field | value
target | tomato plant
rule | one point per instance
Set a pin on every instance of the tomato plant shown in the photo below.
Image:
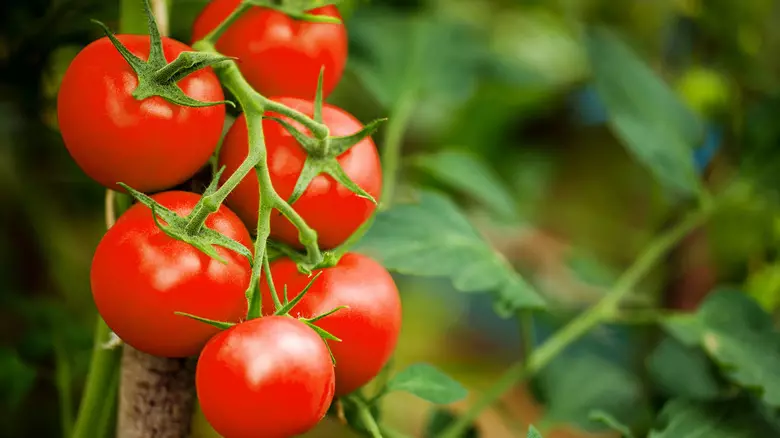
(286, 159)
(270, 377)
(140, 276)
(368, 328)
(150, 144)
(175, 276)
(297, 49)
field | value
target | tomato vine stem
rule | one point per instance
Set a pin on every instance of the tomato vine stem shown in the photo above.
(601, 312)
(94, 410)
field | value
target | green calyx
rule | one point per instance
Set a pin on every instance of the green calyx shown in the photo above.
(322, 153)
(157, 77)
(177, 227)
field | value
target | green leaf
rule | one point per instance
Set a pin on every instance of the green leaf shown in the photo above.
(392, 52)
(16, 379)
(576, 385)
(683, 371)
(740, 337)
(428, 383)
(470, 175)
(433, 238)
(533, 433)
(611, 422)
(688, 419)
(645, 113)
(440, 419)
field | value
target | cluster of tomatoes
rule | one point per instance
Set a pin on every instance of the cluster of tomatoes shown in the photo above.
(271, 376)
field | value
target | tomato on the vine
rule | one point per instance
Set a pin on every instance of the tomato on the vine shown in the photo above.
(327, 206)
(140, 276)
(368, 328)
(277, 54)
(270, 377)
(148, 144)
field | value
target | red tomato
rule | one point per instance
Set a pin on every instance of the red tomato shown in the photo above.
(368, 329)
(140, 277)
(327, 206)
(148, 144)
(279, 55)
(270, 377)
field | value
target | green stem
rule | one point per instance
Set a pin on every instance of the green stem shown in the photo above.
(254, 106)
(393, 140)
(581, 325)
(103, 369)
(319, 130)
(274, 297)
(214, 35)
(400, 116)
(364, 413)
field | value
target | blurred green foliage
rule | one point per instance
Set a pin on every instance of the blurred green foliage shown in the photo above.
(503, 120)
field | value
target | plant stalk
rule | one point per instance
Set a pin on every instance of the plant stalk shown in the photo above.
(599, 313)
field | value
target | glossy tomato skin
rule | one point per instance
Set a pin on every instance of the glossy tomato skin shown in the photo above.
(327, 206)
(148, 144)
(277, 54)
(140, 277)
(368, 329)
(270, 377)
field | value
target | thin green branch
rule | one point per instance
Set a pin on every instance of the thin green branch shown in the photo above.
(102, 371)
(599, 313)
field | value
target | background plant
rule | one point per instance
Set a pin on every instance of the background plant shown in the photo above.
(523, 144)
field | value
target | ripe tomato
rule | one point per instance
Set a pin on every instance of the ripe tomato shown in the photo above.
(140, 277)
(277, 54)
(148, 144)
(327, 206)
(270, 377)
(368, 329)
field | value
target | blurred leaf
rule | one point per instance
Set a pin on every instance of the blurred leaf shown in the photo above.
(391, 52)
(16, 379)
(612, 423)
(575, 387)
(683, 371)
(738, 335)
(433, 238)
(688, 419)
(533, 433)
(655, 126)
(440, 419)
(428, 383)
(764, 286)
(467, 173)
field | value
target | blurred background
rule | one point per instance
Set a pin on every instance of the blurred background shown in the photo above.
(508, 95)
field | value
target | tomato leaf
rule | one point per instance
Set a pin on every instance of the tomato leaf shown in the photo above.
(16, 380)
(611, 422)
(218, 324)
(645, 113)
(433, 238)
(440, 419)
(679, 370)
(688, 419)
(428, 383)
(392, 53)
(739, 336)
(470, 175)
(599, 384)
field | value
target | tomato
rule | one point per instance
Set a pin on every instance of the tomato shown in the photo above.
(277, 54)
(368, 329)
(141, 276)
(327, 206)
(148, 144)
(270, 377)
